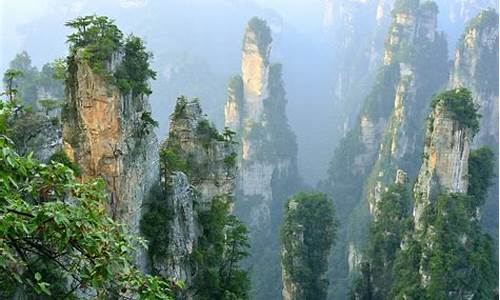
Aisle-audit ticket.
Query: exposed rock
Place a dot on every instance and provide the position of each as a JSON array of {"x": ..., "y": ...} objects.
[
  {"x": 476, "y": 68},
  {"x": 446, "y": 154},
  {"x": 184, "y": 230},
  {"x": 197, "y": 165},
  {"x": 390, "y": 126},
  {"x": 255, "y": 110},
  {"x": 36, "y": 133},
  {"x": 104, "y": 133},
  {"x": 357, "y": 30},
  {"x": 476, "y": 60}
]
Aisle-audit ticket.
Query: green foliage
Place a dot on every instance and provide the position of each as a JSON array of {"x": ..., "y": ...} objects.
[
  {"x": 50, "y": 219},
  {"x": 222, "y": 245},
  {"x": 180, "y": 106},
  {"x": 273, "y": 138},
  {"x": 56, "y": 237},
  {"x": 363, "y": 289},
  {"x": 134, "y": 71},
  {"x": 60, "y": 68},
  {"x": 487, "y": 18},
  {"x": 405, "y": 6},
  {"x": 50, "y": 104},
  {"x": 172, "y": 160},
  {"x": 230, "y": 160},
  {"x": 99, "y": 39},
  {"x": 460, "y": 260},
  {"x": 24, "y": 79},
  {"x": 61, "y": 157},
  {"x": 481, "y": 172},
  {"x": 155, "y": 224},
  {"x": 147, "y": 123},
  {"x": 262, "y": 35},
  {"x": 207, "y": 133},
  {"x": 386, "y": 233},
  {"x": 460, "y": 104},
  {"x": 307, "y": 236}
]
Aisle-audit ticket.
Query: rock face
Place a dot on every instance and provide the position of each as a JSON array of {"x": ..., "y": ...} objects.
[
  {"x": 306, "y": 238},
  {"x": 197, "y": 165},
  {"x": 357, "y": 30},
  {"x": 476, "y": 68},
  {"x": 104, "y": 132},
  {"x": 388, "y": 133},
  {"x": 457, "y": 13},
  {"x": 446, "y": 154},
  {"x": 401, "y": 146},
  {"x": 255, "y": 110},
  {"x": 39, "y": 134},
  {"x": 184, "y": 230}
]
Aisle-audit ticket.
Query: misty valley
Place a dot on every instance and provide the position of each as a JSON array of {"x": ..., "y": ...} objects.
[{"x": 249, "y": 149}]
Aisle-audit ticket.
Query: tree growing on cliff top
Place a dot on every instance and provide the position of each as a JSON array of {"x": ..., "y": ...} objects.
[
  {"x": 98, "y": 39},
  {"x": 307, "y": 236},
  {"x": 56, "y": 239}
]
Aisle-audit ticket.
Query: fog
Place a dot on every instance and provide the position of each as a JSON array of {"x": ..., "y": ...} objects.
[{"x": 196, "y": 46}]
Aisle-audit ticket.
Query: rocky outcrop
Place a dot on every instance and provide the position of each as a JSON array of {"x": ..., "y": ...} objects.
[
  {"x": 389, "y": 132},
  {"x": 476, "y": 68},
  {"x": 306, "y": 237},
  {"x": 198, "y": 164},
  {"x": 446, "y": 153},
  {"x": 105, "y": 133},
  {"x": 357, "y": 30},
  {"x": 255, "y": 110},
  {"x": 401, "y": 146},
  {"x": 36, "y": 133}
]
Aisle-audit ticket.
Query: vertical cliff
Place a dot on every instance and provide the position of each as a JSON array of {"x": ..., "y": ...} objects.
[
  {"x": 388, "y": 130},
  {"x": 444, "y": 254},
  {"x": 107, "y": 124},
  {"x": 476, "y": 68},
  {"x": 451, "y": 129},
  {"x": 267, "y": 174},
  {"x": 423, "y": 71},
  {"x": 357, "y": 30},
  {"x": 198, "y": 166},
  {"x": 106, "y": 134},
  {"x": 306, "y": 237}
]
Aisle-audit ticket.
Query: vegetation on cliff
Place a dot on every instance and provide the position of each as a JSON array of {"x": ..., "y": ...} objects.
[
  {"x": 460, "y": 104},
  {"x": 385, "y": 237},
  {"x": 57, "y": 240},
  {"x": 32, "y": 85},
  {"x": 307, "y": 236},
  {"x": 101, "y": 43},
  {"x": 262, "y": 36},
  {"x": 222, "y": 241},
  {"x": 446, "y": 256},
  {"x": 221, "y": 246}
]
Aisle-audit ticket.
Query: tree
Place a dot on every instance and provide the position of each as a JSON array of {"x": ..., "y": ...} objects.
[
  {"x": 307, "y": 236},
  {"x": 25, "y": 80},
  {"x": 9, "y": 78},
  {"x": 222, "y": 245},
  {"x": 386, "y": 234},
  {"x": 56, "y": 238},
  {"x": 481, "y": 172},
  {"x": 49, "y": 105}
]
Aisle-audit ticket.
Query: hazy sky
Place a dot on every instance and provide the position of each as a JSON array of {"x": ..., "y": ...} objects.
[{"x": 15, "y": 15}]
